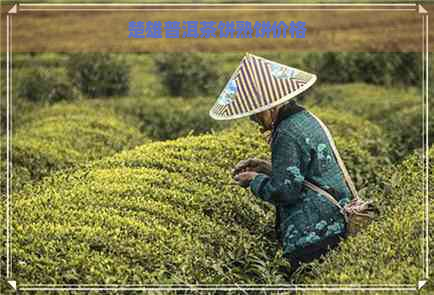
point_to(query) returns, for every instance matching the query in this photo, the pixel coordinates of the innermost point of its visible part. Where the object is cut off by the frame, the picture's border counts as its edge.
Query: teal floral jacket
(300, 150)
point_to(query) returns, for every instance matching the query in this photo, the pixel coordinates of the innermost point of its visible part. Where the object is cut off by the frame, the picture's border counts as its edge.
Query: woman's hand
(252, 164)
(244, 178)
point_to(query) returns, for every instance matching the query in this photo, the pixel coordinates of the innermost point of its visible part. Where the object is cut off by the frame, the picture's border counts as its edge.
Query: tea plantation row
(164, 212)
(82, 132)
(390, 251)
(64, 136)
(397, 110)
(67, 135)
(164, 118)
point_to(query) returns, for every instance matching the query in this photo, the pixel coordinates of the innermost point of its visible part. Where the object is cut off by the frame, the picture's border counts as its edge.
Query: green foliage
(383, 68)
(386, 68)
(165, 118)
(37, 59)
(168, 118)
(63, 136)
(20, 106)
(410, 133)
(329, 67)
(371, 137)
(159, 118)
(42, 85)
(99, 74)
(367, 148)
(375, 103)
(116, 223)
(397, 111)
(389, 250)
(165, 212)
(187, 74)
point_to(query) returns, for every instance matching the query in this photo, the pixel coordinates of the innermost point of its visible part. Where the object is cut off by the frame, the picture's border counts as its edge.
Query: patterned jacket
(300, 150)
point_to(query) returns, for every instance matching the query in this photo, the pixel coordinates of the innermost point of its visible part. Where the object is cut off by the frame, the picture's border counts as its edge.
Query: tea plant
(164, 212)
(99, 74)
(187, 74)
(64, 136)
(165, 118)
(389, 250)
(45, 85)
(397, 111)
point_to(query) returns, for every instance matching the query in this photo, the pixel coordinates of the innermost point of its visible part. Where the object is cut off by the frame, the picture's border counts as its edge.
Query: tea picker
(317, 205)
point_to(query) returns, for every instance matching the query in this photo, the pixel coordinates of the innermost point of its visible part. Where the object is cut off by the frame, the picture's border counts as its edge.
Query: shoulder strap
(341, 164)
(327, 195)
(323, 192)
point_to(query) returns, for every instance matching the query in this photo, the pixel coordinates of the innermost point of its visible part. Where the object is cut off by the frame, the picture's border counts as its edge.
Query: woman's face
(264, 119)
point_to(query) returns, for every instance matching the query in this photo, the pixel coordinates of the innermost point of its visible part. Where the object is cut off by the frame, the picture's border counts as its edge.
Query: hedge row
(117, 224)
(190, 117)
(161, 213)
(187, 74)
(63, 136)
(44, 85)
(389, 251)
(46, 139)
(384, 68)
(98, 74)
(169, 118)
(376, 103)
(397, 111)
(165, 117)
(60, 136)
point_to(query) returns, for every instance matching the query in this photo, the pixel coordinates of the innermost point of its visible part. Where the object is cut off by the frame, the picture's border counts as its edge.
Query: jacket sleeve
(285, 185)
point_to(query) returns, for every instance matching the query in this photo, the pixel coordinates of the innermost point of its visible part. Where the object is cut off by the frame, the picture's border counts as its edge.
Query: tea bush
(397, 111)
(164, 212)
(371, 137)
(159, 120)
(42, 85)
(330, 67)
(165, 118)
(409, 136)
(375, 103)
(18, 106)
(63, 136)
(99, 74)
(37, 59)
(389, 250)
(387, 68)
(381, 68)
(113, 223)
(168, 118)
(187, 74)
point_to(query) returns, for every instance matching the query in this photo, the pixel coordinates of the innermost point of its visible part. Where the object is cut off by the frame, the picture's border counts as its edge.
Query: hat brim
(282, 100)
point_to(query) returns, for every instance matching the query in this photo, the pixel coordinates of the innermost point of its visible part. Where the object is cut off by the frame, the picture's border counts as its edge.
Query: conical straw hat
(259, 84)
